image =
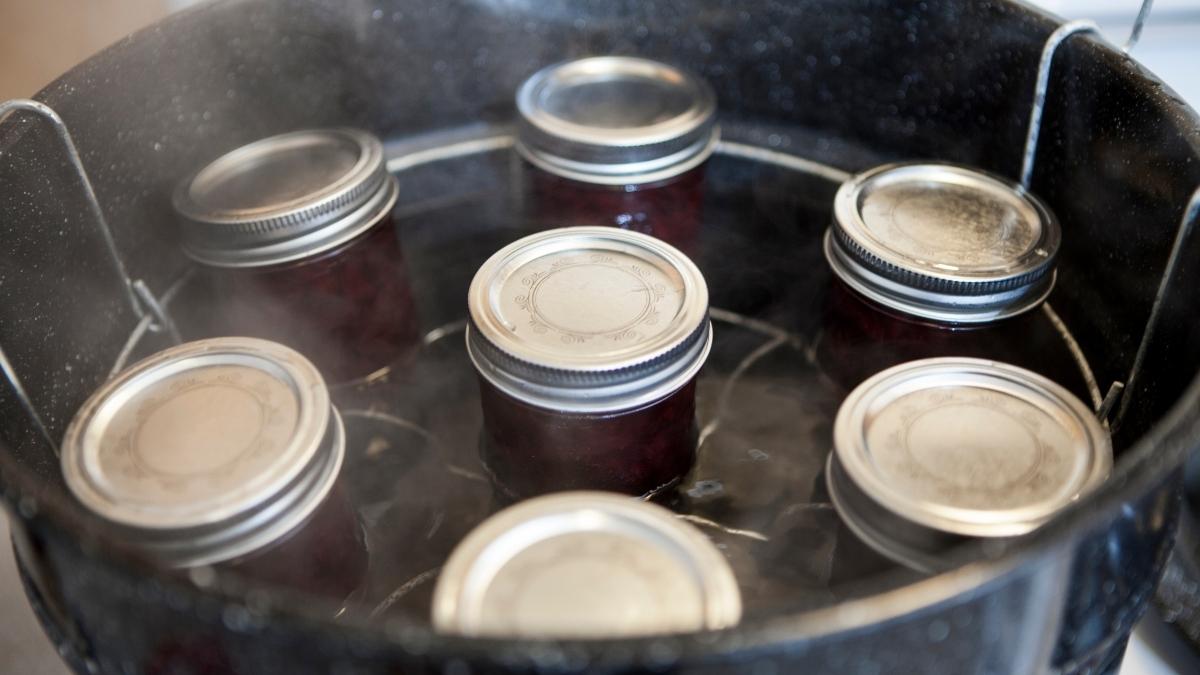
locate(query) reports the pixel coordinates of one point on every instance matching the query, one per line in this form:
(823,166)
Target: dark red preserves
(349,310)
(189,654)
(531,450)
(860,338)
(669,209)
(325,556)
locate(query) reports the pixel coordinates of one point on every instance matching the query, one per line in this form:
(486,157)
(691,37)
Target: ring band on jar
(943,242)
(585,565)
(222,452)
(618,141)
(587,341)
(931,452)
(936,260)
(294,235)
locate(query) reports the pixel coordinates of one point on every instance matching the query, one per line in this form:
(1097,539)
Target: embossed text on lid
(970,446)
(616,120)
(585,565)
(943,242)
(588,315)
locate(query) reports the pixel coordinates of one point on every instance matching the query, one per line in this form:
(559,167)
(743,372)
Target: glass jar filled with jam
(938,260)
(296,243)
(932,452)
(617,141)
(227,453)
(587,341)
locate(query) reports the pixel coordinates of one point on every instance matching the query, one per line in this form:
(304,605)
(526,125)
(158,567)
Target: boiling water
(765,406)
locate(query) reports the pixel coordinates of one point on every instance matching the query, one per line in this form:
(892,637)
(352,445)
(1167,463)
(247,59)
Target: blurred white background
(1170,43)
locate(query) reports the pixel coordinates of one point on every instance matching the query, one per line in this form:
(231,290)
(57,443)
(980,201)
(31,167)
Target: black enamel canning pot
(820,87)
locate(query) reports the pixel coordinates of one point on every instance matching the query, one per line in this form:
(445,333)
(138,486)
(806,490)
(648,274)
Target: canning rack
(152,312)
(153,317)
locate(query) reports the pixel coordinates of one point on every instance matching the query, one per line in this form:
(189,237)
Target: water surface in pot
(765,401)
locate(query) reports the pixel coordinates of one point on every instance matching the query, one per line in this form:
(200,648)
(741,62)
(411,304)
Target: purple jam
(349,310)
(325,556)
(860,338)
(532,451)
(669,210)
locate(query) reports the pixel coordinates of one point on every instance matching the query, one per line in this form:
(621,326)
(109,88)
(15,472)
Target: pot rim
(978,567)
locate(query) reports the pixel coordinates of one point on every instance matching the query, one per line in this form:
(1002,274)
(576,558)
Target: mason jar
(587,341)
(224,453)
(296,244)
(617,141)
(936,260)
(929,453)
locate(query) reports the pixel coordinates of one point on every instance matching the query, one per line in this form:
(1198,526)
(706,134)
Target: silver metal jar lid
(588,319)
(207,451)
(943,242)
(285,198)
(616,120)
(968,446)
(585,565)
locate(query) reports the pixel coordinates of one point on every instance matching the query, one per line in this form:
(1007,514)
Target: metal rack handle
(1191,214)
(1034,130)
(141,300)
(47,113)
(1139,23)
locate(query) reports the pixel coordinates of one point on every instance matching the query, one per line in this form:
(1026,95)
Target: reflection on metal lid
(285,197)
(969,446)
(585,565)
(616,120)
(588,318)
(943,242)
(194,446)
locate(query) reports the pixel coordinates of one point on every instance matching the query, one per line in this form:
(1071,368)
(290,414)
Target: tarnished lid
(970,446)
(616,120)
(285,198)
(208,450)
(585,565)
(943,242)
(588,318)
